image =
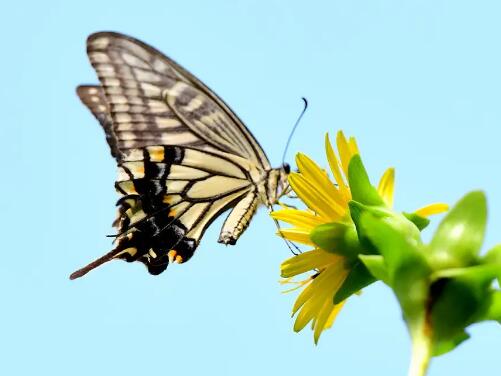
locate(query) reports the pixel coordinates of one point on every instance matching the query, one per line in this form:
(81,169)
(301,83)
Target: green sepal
(358,278)
(442,347)
(338,238)
(360,185)
(356,211)
(459,236)
(406,266)
(396,220)
(375,265)
(493,257)
(420,222)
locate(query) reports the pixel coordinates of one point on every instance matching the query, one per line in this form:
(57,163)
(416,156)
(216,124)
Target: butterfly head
(278,184)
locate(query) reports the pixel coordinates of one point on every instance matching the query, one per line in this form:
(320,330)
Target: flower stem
(421,349)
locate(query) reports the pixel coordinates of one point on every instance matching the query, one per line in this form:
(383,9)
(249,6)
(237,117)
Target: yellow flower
(326,202)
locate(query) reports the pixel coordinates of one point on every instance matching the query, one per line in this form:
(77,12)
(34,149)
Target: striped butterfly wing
(170,195)
(154,101)
(93,97)
(207,160)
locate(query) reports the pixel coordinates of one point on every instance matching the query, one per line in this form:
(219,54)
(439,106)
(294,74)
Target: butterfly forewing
(93,97)
(155,101)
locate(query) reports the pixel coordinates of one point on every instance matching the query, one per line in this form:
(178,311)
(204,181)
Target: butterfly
(183,155)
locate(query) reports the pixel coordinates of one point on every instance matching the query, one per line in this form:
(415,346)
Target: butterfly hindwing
(170,195)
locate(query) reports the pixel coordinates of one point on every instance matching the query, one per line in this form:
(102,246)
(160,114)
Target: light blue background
(417,82)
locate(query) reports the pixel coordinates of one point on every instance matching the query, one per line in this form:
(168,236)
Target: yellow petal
(311,291)
(334,165)
(353,146)
(296,234)
(386,186)
(299,218)
(314,199)
(324,292)
(298,284)
(314,174)
(326,319)
(432,209)
(344,151)
(321,319)
(310,260)
(325,282)
(333,314)
(311,306)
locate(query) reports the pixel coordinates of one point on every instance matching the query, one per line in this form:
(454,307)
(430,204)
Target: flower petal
(314,199)
(326,319)
(323,282)
(386,186)
(432,209)
(313,298)
(335,168)
(296,234)
(353,146)
(310,305)
(299,218)
(314,174)
(310,260)
(344,151)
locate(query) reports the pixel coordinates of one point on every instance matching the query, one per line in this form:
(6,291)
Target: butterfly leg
(238,219)
(286,206)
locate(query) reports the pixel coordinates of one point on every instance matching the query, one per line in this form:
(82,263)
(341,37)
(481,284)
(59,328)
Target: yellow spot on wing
(136,169)
(128,187)
(156,153)
(171,254)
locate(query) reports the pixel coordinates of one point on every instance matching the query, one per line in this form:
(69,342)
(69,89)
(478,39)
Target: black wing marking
(170,195)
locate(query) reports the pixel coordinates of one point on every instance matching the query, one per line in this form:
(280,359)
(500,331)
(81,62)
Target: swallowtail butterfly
(183,156)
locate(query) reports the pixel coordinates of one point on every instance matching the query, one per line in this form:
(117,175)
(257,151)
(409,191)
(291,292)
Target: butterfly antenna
(294,128)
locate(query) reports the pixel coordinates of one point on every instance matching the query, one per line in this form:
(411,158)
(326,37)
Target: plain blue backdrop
(417,82)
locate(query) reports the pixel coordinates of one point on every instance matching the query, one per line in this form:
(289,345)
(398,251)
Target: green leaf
(481,275)
(375,265)
(358,278)
(420,222)
(444,346)
(456,303)
(360,185)
(463,296)
(338,238)
(493,256)
(494,309)
(460,235)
